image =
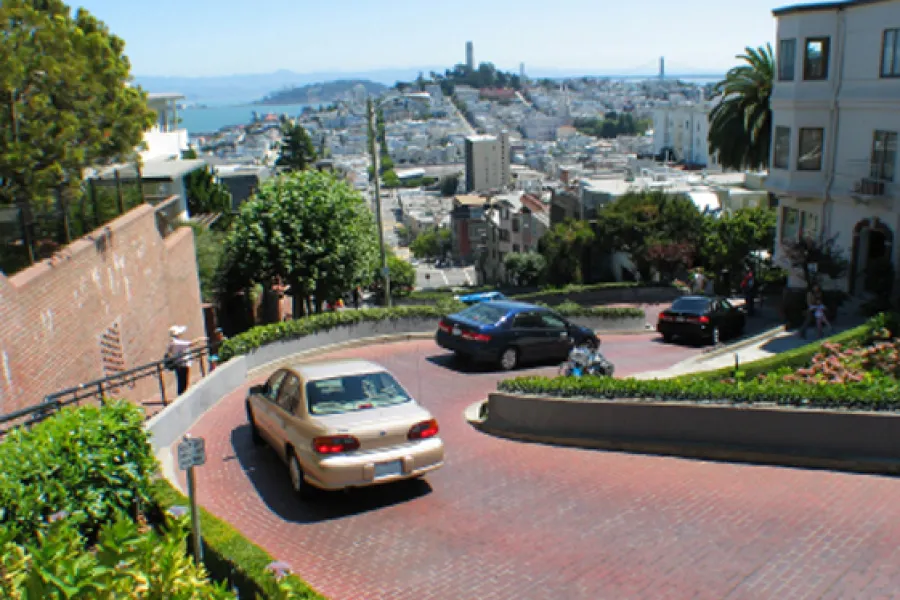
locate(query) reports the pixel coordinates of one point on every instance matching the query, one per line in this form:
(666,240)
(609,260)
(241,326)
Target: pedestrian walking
(814,299)
(215,345)
(748,287)
(178,357)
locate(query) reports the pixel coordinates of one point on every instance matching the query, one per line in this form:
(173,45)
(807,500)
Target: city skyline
(216,39)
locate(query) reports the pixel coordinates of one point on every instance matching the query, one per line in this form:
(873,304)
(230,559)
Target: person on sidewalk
(178,355)
(748,287)
(215,345)
(814,299)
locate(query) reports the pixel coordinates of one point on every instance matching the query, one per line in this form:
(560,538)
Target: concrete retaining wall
(764,434)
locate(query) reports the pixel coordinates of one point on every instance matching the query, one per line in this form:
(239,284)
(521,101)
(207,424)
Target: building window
(516,226)
(516,248)
(781,148)
(810,153)
(790,224)
(809,225)
(815,59)
(890,53)
(884,155)
(787,56)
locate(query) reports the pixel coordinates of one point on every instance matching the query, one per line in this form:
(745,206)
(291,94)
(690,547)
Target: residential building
(467,226)
(165,139)
(836,118)
(487,162)
(681,130)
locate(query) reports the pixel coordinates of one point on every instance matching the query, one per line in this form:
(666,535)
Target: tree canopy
(563,248)
(309,229)
(740,123)
(612,125)
(430,244)
(65,102)
(297,151)
(206,195)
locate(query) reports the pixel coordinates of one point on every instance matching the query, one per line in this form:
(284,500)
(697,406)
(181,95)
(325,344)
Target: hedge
(443,293)
(229,556)
(709,387)
(261,335)
(853,396)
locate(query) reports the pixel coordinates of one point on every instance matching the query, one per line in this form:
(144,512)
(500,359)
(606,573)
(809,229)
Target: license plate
(680,319)
(457,331)
(395,467)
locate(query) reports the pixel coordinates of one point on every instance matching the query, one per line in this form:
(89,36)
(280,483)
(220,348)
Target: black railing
(99,390)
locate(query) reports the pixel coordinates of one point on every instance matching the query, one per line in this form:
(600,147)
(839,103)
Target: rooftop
(154,169)
(820,6)
(469,200)
(164,96)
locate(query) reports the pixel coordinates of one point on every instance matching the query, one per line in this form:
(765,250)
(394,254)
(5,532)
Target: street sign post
(192,453)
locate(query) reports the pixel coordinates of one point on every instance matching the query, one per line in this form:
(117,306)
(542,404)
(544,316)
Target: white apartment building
(487,162)
(836,117)
(683,129)
(165,138)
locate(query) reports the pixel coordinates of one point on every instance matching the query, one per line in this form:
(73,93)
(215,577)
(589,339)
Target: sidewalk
(763,346)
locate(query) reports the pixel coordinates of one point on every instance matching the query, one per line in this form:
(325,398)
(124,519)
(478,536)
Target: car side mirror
(261,389)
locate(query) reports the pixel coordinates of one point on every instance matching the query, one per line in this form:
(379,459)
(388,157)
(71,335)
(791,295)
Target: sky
(194,38)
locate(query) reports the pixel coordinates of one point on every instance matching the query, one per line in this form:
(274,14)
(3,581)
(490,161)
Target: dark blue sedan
(509,333)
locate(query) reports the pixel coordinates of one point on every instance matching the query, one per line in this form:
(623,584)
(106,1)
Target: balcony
(868,184)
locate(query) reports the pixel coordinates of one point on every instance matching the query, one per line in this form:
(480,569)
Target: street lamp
(376,168)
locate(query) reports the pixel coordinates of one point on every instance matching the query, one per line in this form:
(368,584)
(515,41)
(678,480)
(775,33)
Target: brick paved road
(526,521)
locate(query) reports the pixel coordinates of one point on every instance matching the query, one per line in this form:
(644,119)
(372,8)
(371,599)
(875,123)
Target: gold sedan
(342,425)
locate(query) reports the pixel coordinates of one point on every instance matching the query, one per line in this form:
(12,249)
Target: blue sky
(223,37)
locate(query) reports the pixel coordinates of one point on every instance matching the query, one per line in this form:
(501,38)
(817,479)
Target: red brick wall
(54,314)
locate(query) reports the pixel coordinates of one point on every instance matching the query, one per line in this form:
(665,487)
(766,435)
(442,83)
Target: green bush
(128,561)
(577,289)
(868,397)
(230,557)
(87,463)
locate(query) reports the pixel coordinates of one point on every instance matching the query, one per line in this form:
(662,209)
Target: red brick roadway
(512,520)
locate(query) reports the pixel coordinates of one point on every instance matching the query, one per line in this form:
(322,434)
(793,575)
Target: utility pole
(376,168)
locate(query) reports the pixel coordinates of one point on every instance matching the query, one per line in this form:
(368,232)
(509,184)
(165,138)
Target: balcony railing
(868,180)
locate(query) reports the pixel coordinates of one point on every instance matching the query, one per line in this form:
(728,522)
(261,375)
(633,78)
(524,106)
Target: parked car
(510,333)
(703,318)
(343,424)
(480,297)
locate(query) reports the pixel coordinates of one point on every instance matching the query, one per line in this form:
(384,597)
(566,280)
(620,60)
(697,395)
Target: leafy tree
(209,247)
(308,229)
(430,244)
(65,102)
(826,255)
(730,239)
(612,125)
(297,151)
(449,185)
(525,268)
(563,248)
(205,195)
(740,124)
(403,276)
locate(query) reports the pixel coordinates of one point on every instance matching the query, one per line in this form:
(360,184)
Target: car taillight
(335,444)
(444,326)
(704,319)
(423,430)
(663,316)
(475,336)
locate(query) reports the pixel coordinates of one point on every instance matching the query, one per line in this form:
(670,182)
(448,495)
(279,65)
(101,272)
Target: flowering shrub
(843,364)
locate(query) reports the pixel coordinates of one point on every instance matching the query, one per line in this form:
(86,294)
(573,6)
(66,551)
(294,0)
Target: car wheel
(509,359)
(254,430)
(715,336)
(298,483)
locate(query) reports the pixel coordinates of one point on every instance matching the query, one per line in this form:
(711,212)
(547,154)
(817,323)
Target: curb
(703,452)
(741,343)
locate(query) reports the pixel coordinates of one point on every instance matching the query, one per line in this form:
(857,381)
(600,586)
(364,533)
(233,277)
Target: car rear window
(693,305)
(485,313)
(338,395)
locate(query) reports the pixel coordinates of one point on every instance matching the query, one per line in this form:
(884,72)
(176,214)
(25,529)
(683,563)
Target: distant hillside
(321,92)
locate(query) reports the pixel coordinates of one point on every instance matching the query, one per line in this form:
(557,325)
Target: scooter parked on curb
(584,360)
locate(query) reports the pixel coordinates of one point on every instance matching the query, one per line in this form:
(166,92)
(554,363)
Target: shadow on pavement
(789,342)
(270,477)
(452,363)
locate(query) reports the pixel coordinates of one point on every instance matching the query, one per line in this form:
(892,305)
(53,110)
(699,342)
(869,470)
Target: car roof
(513,307)
(695,298)
(335,368)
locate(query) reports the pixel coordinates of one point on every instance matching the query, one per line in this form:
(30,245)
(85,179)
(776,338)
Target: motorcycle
(585,360)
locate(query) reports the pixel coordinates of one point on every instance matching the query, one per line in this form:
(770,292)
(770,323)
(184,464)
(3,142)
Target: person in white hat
(178,358)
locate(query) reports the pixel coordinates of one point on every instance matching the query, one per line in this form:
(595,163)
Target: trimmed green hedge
(855,396)
(88,463)
(444,293)
(709,387)
(287,330)
(229,556)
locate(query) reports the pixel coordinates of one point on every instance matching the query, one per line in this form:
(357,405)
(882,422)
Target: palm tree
(740,124)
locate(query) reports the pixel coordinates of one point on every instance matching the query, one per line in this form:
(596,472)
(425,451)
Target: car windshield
(338,395)
(485,313)
(691,305)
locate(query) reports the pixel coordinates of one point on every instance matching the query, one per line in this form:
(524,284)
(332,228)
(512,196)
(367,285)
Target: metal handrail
(98,388)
